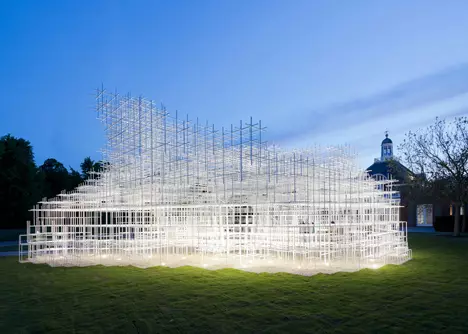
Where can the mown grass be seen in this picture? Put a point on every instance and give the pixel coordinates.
(428, 294)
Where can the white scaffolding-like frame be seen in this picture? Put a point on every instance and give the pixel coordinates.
(174, 192)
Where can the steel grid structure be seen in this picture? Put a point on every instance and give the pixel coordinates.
(174, 192)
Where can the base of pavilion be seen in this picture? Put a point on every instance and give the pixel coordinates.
(300, 265)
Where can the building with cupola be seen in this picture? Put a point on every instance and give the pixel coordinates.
(416, 214)
(386, 149)
(387, 166)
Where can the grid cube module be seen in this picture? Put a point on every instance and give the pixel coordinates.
(174, 192)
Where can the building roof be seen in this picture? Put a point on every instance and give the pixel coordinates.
(389, 168)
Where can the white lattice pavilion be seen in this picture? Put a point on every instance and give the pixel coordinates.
(174, 192)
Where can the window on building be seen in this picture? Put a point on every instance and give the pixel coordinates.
(424, 214)
(462, 210)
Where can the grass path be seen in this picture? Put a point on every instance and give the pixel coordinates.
(428, 294)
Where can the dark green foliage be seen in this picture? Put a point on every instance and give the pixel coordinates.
(97, 166)
(74, 179)
(425, 295)
(86, 167)
(56, 177)
(89, 166)
(444, 223)
(11, 234)
(20, 182)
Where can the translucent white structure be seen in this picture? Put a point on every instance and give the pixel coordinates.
(174, 192)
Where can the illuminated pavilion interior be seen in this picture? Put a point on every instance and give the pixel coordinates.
(174, 192)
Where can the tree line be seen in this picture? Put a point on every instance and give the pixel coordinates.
(23, 183)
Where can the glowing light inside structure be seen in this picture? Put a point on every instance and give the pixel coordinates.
(174, 192)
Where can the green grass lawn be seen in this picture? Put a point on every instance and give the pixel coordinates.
(428, 294)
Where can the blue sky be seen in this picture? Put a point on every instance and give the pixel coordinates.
(326, 72)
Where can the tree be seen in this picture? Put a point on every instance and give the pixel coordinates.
(56, 177)
(439, 155)
(89, 166)
(20, 184)
(86, 167)
(74, 179)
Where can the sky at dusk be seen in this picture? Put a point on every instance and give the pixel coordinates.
(314, 72)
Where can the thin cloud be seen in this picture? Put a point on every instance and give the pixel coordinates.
(417, 93)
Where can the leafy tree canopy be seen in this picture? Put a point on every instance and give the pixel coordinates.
(438, 155)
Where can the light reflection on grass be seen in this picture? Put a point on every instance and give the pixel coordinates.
(427, 294)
